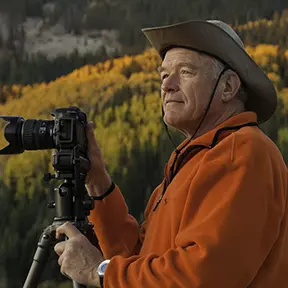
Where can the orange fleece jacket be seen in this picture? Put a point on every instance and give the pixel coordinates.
(222, 222)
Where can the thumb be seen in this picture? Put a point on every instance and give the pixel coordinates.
(59, 248)
(92, 143)
(89, 127)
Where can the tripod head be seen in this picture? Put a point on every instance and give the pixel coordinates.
(72, 202)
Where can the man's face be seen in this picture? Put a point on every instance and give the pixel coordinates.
(187, 84)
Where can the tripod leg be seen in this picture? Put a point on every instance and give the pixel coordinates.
(39, 260)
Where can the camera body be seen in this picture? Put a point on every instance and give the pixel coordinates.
(69, 134)
(66, 134)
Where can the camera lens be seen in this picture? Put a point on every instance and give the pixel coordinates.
(37, 134)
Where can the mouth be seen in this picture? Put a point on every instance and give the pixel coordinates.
(173, 101)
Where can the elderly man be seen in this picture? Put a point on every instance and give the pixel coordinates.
(219, 218)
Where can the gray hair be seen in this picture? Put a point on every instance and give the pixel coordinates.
(217, 67)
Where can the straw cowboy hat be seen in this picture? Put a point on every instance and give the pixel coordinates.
(220, 41)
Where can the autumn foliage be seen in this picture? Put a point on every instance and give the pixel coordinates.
(121, 96)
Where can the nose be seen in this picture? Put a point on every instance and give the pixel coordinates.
(170, 84)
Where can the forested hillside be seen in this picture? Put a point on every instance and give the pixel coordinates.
(78, 17)
(121, 96)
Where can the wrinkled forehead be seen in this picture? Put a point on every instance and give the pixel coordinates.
(182, 55)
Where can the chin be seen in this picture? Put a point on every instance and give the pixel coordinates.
(172, 121)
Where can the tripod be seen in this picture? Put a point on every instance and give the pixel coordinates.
(72, 204)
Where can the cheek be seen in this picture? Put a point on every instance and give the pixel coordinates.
(196, 94)
(190, 96)
(195, 102)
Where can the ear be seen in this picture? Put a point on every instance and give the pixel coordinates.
(231, 86)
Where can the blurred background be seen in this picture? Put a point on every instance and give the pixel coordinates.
(91, 54)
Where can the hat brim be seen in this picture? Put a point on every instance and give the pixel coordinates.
(208, 38)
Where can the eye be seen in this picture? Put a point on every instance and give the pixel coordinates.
(184, 71)
(163, 76)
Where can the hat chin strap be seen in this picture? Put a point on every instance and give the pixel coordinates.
(207, 109)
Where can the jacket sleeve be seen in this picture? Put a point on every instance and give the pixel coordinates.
(117, 231)
(239, 190)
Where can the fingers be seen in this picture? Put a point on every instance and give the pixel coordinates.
(90, 126)
(59, 248)
(60, 260)
(63, 268)
(90, 131)
(92, 143)
(68, 229)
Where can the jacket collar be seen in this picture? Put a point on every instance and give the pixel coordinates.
(207, 138)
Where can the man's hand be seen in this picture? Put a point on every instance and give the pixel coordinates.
(79, 259)
(98, 180)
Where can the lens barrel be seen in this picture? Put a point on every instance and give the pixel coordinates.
(65, 132)
(37, 134)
